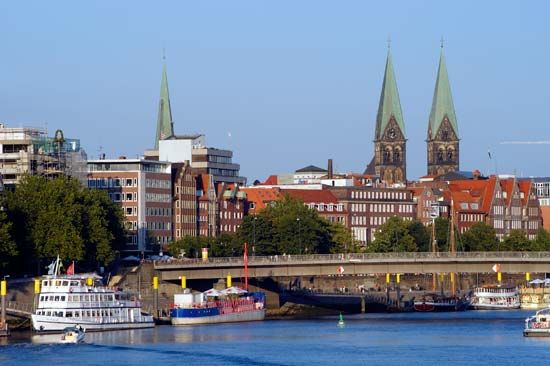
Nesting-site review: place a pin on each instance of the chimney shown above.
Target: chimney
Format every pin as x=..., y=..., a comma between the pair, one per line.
x=330, y=172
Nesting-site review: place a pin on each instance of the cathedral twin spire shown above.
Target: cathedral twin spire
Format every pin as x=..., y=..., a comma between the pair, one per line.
x=390, y=141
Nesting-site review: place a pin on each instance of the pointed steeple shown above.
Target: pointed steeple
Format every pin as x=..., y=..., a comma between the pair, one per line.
x=165, y=126
x=442, y=104
x=389, y=105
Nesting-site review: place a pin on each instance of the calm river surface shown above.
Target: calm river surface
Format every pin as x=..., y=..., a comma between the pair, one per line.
x=473, y=337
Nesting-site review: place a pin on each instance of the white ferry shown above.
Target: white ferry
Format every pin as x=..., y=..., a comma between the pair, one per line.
x=495, y=297
x=538, y=325
x=68, y=300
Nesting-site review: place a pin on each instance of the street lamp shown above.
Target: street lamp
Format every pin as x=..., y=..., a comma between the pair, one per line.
x=254, y=235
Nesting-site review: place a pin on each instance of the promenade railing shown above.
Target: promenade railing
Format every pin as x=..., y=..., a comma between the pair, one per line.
x=357, y=258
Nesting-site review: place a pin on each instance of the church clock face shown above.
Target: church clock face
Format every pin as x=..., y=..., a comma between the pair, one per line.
x=391, y=133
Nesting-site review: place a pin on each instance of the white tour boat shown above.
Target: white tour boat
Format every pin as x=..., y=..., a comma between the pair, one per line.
x=67, y=300
x=538, y=325
x=495, y=297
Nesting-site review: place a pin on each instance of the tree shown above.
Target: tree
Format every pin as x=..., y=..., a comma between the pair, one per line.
x=421, y=235
x=393, y=236
x=288, y=226
x=61, y=217
x=542, y=240
x=8, y=248
x=516, y=241
x=480, y=238
x=343, y=239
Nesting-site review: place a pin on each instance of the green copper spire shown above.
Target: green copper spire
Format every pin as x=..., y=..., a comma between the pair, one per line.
x=165, y=126
x=442, y=104
x=389, y=105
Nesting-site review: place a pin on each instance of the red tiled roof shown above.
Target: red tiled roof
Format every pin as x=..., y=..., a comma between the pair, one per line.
x=312, y=195
x=271, y=180
x=525, y=187
x=261, y=196
x=472, y=191
x=507, y=186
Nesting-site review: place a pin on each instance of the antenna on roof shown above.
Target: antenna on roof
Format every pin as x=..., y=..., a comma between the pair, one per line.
x=442, y=41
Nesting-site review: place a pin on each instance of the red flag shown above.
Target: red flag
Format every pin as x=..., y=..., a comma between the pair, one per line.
x=70, y=270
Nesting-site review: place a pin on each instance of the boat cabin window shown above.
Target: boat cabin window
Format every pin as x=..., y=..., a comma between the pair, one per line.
x=69, y=314
x=58, y=283
x=48, y=313
x=56, y=298
x=65, y=283
x=45, y=283
x=62, y=298
x=74, y=283
x=42, y=298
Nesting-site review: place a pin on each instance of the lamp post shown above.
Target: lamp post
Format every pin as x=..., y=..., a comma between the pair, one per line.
x=254, y=236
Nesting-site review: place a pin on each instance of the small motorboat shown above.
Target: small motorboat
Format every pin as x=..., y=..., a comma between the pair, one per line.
x=341, y=322
x=538, y=325
x=73, y=335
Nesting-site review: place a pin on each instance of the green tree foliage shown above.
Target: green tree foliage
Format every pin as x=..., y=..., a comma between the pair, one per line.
x=8, y=248
x=421, y=235
x=542, y=241
x=516, y=241
x=61, y=217
x=225, y=245
x=481, y=237
x=289, y=227
x=393, y=236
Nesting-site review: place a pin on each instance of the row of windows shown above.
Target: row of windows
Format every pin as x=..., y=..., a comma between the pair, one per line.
x=75, y=298
x=157, y=183
x=124, y=197
x=92, y=313
x=112, y=182
x=185, y=204
x=158, y=211
x=158, y=197
x=471, y=217
x=227, y=215
x=132, y=239
x=219, y=159
x=186, y=219
x=359, y=220
x=339, y=219
x=131, y=225
x=130, y=210
x=153, y=225
x=185, y=190
x=379, y=195
x=328, y=207
x=223, y=172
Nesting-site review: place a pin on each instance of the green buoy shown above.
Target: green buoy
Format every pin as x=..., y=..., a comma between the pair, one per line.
x=341, y=322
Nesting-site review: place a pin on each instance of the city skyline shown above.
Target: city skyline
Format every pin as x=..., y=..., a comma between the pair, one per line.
x=281, y=97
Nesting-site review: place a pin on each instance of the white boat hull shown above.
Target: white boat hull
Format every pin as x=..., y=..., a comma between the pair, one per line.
x=247, y=316
x=43, y=323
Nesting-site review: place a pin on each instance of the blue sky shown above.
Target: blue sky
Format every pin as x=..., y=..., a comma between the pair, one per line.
x=293, y=82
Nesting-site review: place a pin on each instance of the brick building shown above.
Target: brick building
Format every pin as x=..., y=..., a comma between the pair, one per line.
x=143, y=189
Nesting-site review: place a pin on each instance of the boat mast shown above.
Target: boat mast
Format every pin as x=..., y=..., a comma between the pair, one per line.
x=452, y=246
x=245, y=260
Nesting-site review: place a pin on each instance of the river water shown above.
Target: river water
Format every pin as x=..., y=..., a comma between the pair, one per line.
x=472, y=338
